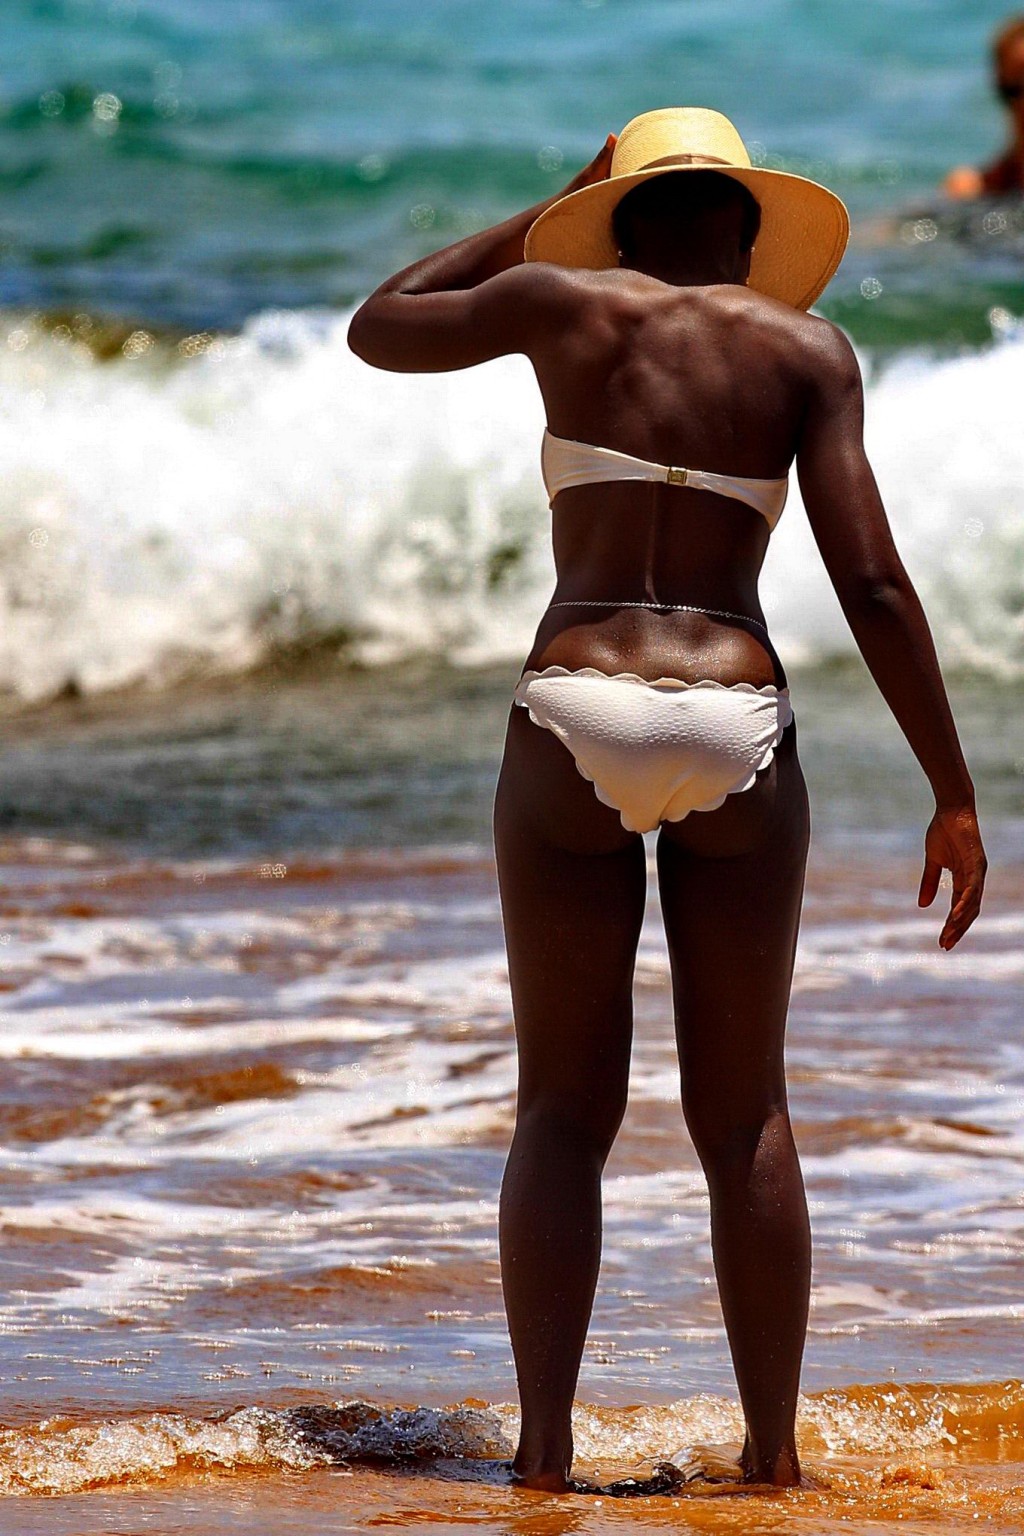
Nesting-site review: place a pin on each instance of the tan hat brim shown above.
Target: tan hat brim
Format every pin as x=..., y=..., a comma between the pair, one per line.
x=803, y=234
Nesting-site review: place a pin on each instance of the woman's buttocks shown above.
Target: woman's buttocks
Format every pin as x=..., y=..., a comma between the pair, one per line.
x=655, y=643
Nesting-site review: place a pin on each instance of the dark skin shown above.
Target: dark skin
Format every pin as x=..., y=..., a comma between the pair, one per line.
x=671, y=358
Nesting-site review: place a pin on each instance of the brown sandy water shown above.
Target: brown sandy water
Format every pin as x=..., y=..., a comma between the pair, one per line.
x=929, y=1493
x=258, y=1083
x=252, y=1127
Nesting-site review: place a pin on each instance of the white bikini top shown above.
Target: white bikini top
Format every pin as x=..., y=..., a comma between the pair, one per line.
x=565, y=462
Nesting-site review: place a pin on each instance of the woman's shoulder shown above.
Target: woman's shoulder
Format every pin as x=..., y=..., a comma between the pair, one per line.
x=799, y=334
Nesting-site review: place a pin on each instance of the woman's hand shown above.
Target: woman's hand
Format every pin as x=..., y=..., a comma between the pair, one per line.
x=597, y=170
x=953, y=842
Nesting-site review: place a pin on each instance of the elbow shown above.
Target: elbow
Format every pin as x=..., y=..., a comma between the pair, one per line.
x=360, y=334
x=876, y=593
x=374, y=337
x=371, y=330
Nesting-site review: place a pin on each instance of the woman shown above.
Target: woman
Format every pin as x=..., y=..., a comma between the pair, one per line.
x=662, y=303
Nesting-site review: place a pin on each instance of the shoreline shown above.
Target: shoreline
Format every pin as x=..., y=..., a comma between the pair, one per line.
x=945, y=1425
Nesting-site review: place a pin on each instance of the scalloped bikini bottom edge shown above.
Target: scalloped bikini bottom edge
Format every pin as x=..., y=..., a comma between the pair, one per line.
x=655, y=750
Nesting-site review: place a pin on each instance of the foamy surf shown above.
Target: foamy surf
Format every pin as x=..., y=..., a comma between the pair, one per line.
x=56, y=1456
x=204, y=506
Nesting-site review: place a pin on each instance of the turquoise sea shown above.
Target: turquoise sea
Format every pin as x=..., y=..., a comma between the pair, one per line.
x=190, y=163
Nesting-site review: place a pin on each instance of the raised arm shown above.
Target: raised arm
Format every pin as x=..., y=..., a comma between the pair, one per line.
x=885, y=615
x=469, y=302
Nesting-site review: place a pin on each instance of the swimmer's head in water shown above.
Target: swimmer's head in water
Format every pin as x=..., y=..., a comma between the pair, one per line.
x=1008, y=62
x=683, y=209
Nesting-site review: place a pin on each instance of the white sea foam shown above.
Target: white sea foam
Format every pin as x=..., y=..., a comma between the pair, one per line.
x=159, y=512
x=909, y=1421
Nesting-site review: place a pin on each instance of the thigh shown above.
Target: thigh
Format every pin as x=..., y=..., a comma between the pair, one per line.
x=731, y=890
x=573, y=889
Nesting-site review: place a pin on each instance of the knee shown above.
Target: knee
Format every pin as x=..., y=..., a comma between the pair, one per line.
x=572, y=1123
x=735, y=1147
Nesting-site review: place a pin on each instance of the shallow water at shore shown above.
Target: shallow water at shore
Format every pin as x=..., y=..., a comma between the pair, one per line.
x=302, y=756
x=862, y=1494
x=260, y=1081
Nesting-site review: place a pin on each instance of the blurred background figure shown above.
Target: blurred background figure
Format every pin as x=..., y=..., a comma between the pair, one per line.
x=1006, y=174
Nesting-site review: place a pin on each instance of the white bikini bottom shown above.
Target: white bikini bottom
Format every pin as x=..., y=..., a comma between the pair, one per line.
x=655, y=751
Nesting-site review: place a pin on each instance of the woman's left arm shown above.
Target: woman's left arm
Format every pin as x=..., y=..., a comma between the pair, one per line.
x=467, y=303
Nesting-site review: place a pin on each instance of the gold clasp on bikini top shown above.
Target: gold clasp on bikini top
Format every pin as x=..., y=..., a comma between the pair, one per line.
x=676, y=477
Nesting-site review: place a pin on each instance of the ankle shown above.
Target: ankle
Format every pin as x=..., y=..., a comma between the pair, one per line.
x=781, y=1467
x=544, y=1467
x=541, y=1481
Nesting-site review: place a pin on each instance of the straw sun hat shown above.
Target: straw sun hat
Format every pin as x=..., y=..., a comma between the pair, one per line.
x=804, y=226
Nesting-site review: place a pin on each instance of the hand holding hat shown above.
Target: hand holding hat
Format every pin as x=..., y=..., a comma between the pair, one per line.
x=804, y=226
x=599, y=168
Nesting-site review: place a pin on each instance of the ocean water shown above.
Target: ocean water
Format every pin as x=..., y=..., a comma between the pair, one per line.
x=253, y=1121
x=174, y=161
x=164, y=518
x=261, y=610
x=196, y=474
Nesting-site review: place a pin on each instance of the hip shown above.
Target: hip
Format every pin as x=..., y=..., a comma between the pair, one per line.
x=689, y=643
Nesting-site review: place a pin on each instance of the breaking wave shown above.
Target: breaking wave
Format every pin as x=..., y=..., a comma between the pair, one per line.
x=204, y=505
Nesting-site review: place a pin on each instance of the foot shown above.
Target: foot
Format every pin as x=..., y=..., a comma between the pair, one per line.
x=543, y=1463
x=729, y=1462
x=541, y=1479
x=781, y=1471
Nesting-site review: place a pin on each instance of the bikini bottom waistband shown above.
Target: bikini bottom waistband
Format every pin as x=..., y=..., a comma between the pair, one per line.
x=600, y=602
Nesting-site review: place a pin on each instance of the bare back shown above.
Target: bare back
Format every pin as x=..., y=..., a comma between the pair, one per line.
x=714, y=378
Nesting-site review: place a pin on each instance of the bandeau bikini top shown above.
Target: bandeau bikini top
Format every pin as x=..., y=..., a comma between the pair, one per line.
x=565, y=462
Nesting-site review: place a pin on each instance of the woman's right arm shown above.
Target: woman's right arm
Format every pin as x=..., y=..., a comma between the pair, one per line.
x=885, y=615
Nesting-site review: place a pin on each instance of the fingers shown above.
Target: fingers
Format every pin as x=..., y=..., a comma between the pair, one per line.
x=603, y=159
x=958, y=845
x=597, y=170
x=929, y=882
x=964, y=908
